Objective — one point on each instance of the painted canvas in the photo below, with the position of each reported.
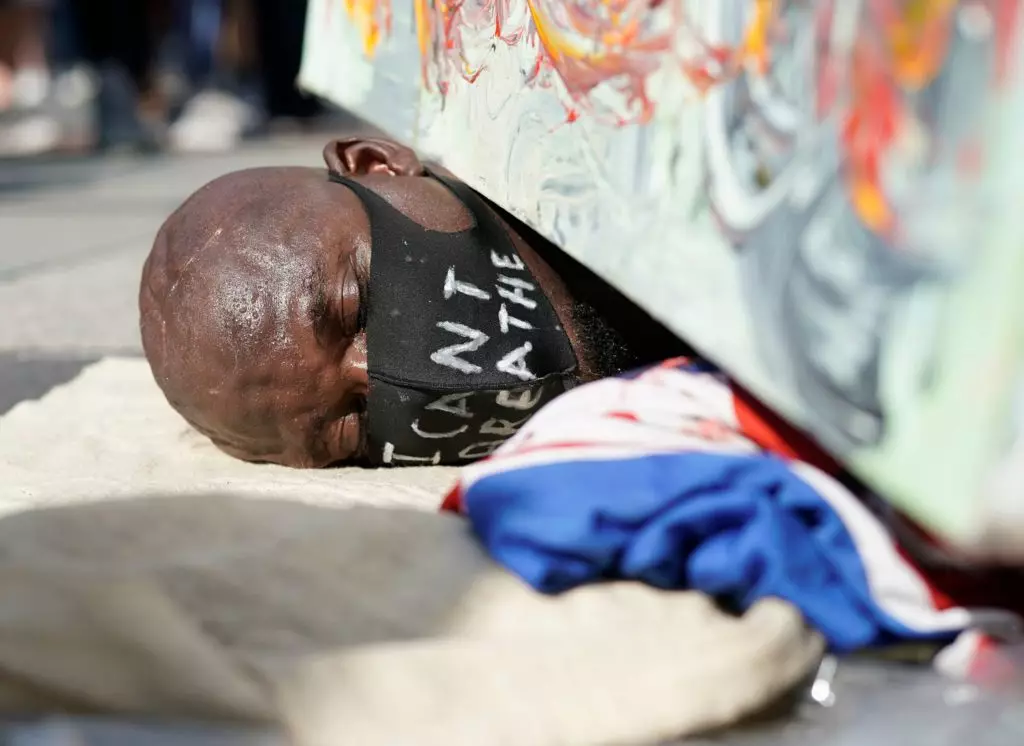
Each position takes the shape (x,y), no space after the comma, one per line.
(822,196)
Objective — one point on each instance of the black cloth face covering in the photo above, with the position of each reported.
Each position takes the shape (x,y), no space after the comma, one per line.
(462,344)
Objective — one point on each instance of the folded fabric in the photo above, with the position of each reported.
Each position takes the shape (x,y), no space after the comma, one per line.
(363,626)
(216,589)
(661,476)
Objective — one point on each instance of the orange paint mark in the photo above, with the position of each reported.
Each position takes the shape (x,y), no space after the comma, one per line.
(621,56)
(917,39)
(755,44)
(871,125)
(870,204)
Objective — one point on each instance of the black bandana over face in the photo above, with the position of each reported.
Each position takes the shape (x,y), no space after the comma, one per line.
(462,344)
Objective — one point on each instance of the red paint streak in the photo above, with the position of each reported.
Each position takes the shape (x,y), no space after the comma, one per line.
(579,45)
(970,159)
(537,67)
(1006,17)
(571,115)
(718,65)
(617,44)
(627,416)
(602,43)
(869,130)
(830,74)
(900,49)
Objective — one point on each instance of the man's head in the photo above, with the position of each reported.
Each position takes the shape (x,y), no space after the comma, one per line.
(254,302)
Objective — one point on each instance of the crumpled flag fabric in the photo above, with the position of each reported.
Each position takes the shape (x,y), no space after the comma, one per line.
(669,476)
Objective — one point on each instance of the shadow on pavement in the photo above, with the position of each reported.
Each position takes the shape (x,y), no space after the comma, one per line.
(24,376)
(20,175)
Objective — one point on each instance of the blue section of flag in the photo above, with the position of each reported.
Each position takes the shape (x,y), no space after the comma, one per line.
(739,527)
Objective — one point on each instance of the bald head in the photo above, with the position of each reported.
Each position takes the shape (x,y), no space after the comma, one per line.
(250,318)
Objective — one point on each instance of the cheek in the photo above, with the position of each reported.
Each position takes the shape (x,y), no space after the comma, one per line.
(345,385)
(355,364)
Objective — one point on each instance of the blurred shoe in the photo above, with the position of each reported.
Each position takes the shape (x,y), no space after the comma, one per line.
(120,123)
(28,133)
(29,87)
(26,125)
(6,87)
(213,121)
(73,102)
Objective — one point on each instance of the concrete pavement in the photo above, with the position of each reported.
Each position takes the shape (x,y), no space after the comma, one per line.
(73,237)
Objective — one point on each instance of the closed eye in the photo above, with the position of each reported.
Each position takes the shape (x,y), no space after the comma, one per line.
(352,300)
(363,307)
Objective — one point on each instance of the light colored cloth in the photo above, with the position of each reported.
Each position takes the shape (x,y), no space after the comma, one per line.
(208,588)
(110,433)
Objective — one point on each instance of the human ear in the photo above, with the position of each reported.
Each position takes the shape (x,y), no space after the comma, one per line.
(358,156)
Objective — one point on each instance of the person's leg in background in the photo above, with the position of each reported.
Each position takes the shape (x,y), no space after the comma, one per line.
(116,36)
(280,27)
(25,79)
(24,67)
(199,22)
(219,114)
(116,32)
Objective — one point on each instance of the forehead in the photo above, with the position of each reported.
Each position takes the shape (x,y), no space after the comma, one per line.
(297,228)
(242,260)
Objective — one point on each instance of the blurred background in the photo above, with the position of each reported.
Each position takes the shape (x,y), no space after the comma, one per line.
(80,76)
(111,113)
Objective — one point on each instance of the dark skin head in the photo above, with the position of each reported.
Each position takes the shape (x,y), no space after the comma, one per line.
(250,301)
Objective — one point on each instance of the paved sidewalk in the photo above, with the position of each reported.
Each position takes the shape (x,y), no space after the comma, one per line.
(73,237)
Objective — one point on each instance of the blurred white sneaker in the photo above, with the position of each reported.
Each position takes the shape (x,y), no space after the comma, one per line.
(49,113)
(213,121)
(29,87)
(29,133)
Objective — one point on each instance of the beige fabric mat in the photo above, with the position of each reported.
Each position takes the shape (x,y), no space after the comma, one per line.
(110,433)
(143,572)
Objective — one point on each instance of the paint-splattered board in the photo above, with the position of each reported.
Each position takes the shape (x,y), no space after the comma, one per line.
(822,196)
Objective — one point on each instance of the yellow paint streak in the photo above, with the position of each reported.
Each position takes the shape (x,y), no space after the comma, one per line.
(556,43)
(367,17)
(918,41)
(424,30)
(871,205)
(755,44)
